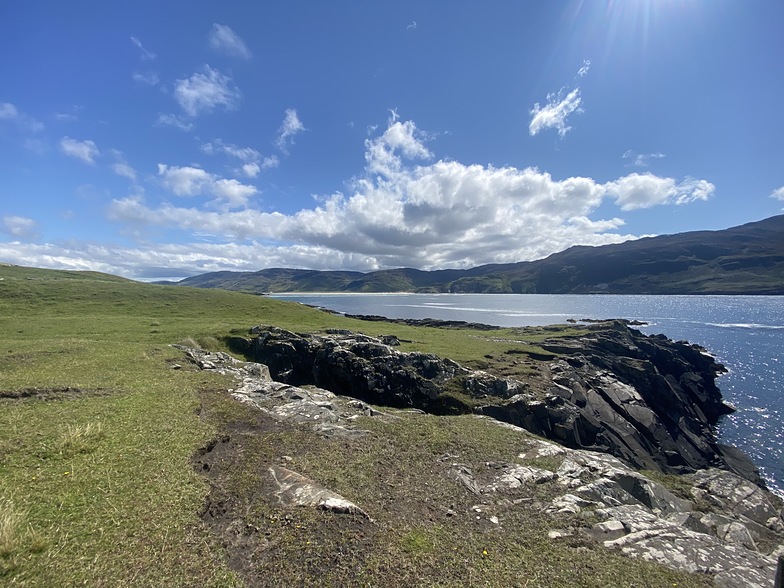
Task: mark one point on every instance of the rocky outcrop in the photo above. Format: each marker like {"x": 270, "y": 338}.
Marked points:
{"x": 645, "y": 399}
{"x": 713, "y": 522}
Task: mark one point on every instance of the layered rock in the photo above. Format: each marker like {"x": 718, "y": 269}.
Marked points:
{"x": 645, "y": 399}
{"x": 718, "y": 523}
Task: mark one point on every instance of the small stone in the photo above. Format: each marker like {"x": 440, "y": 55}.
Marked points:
{"x": 450, "y": 512}
{"x": 494, "y": 520}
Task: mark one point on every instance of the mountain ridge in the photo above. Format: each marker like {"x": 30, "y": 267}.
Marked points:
{"x": 746, "y": 259}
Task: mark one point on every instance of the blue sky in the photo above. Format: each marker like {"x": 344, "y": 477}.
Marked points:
{"x": 162, "y": 140}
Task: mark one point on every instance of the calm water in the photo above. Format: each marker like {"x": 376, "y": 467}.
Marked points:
{"x": 745, "y": 333}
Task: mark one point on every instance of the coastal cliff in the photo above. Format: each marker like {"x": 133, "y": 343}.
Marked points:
{"x": 646, "y": 399}
{"x": 629, "y": 462}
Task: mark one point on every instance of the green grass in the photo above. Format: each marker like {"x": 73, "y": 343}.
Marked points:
{"x": 97, "y": 434}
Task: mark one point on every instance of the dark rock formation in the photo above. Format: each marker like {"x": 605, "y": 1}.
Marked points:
{"x": 645, "y": 399}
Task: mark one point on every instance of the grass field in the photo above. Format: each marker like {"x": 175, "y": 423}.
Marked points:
{"x": 98, "y": 435}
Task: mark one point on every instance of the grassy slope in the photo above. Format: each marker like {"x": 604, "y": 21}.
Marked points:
{"x": 97, "y": 486}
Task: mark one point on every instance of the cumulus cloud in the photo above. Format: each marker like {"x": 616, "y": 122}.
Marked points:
{"x": 778, "y": 194}
{"x": 19, "y": 227}
{"x": 194, "y": 181}
{"x": 645, "y": 190}
{"x": 145, "y": 54}
{"x": 223, "y": 39}
{"x": 290, "y": 127}
{"x": 86, "y": 151}
{"x": 172, "y": 120}
{"x": 407, "y": 210}
{"x": 204, "y": 91}
{"x": 640, "y": 159}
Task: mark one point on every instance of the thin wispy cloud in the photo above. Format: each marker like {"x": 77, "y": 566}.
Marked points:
{"x": 146, "y": 55}
{"x": 19, "y": 227}
{"x": 558, "y": 108}
{"x": 8, "y": 111}
{"x": 290, "y": 127}
{"x": 172, "y": 120}
{"x": 411, "y": 26}
{"x": 224, "y": 40}
{"x": 253, "y": 162}
{"x": 204, "y": 91}
{"x": 640, "y": 159}
{"x": 85, "y": 151}
{"x": 778, "y": 194}
{"x": 148, "y": 78}
{"x": 555, "y": 113}
{"x": 121, "y": 166}
{"x": 24, "y": 121}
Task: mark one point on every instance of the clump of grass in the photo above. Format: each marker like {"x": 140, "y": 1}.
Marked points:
{"x": 16, "y": 537}
{"x": 205, "y": 343}
{"x": 78, "y": 439}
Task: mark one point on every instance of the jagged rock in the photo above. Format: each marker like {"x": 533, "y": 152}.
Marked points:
{"x": 666, "y": 542}
{"x": 731, "y": 493}
{"x": 517, "y": 476}
{"x": 293, "y": 489}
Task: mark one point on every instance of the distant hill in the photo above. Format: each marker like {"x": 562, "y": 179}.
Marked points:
{"x": 748, "y": 259}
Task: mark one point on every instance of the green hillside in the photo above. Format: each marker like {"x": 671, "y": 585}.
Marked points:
{"x": 101, "y": 423}
{"x": 748, "y": 259}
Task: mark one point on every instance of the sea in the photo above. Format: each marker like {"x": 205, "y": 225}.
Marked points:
{"x": 745, "y": 333}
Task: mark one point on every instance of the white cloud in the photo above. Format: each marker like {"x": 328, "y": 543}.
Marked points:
{"x": 203, "y": 92}
{"x": 554, "y": 114}
{"x": 235, "y": 193}
{"x": 8, "y": 110}
{"x": 253, "y": 162}
{"x": 404, "y": 209}
{"x": 411, "y": 26}
{"x": 19, "y": 227}
{"x": 778, "y": 194}
{"x": 641, "y": 159}
{"x": 25, "y": 122}
{"x": 185, "y": 181}
{"x": 172, "y": 120}
{"x": 225, "y": 40}
{"x": 194, "y": 181}
{"x": 145, "y": 54}
{"x": 431, "y": 215}
{"x": 124, "y": 170}
{"x": 148, "y": 78}
{"x": 290, "y": 127}
{"x": 645, "y": 190}
{"x": 87, "y": 151}
{"x": 175, "y": 260}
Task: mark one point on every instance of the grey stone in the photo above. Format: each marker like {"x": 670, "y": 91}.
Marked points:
{"x": 293, "y": 489}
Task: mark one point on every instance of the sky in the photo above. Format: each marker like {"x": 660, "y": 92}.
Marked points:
{"x": 163, "y": 140}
